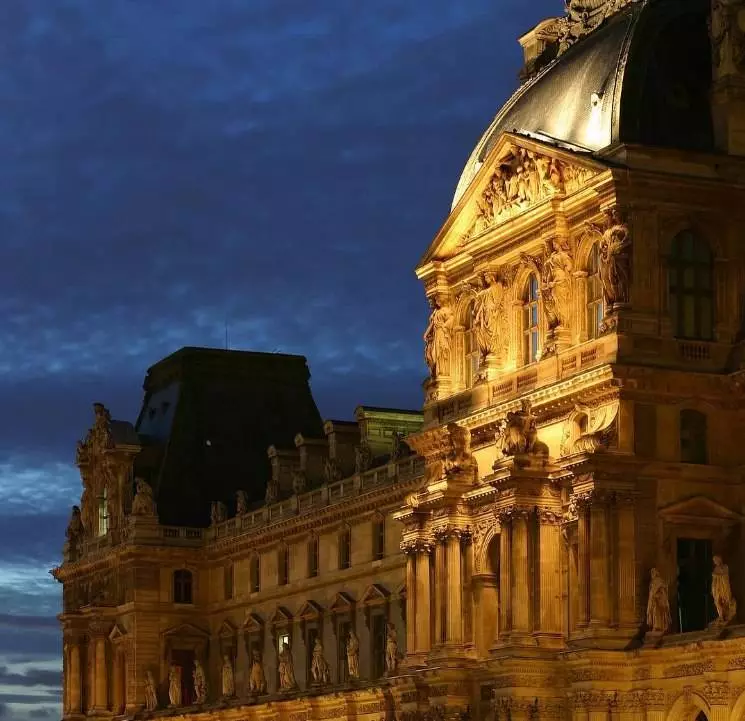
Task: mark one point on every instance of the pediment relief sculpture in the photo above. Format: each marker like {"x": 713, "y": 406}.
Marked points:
{"x": 523, "y": 178}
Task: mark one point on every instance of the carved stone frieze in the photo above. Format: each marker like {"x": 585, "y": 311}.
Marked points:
{"x": 689, "y": 669}
{"x": 522, "y": 179}
{"x": 717, "y": 693}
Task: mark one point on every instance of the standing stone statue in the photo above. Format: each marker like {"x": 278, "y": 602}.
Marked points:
{"x": 437, "y": 338}
{"x": 391, "y": 651}
{"x": 241, "y": 503}
{"x": 615, "y": 261}
{"x": 228, "y": 678}
{"x": 200, "y": 683}
{"x": 174, "y": 685}
{"x": 286, "y": 669}
{"x": 319, "y": 668}
{"x": 256, "y": 679}
{"x": 353, "y": 655}
{"x": 722, "y": 592}
{"x": 658, "y": 604}
{"x": 151, "y": 692}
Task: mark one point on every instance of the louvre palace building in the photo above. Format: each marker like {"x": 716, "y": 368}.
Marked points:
{"x": 558, "y": 532}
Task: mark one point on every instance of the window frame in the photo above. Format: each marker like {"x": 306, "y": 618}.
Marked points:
{"x": 345, "y": 549}
{"x": 691, "y": 254}
{"x": 182, "y": 587}
{"x": 254, "y": 574}
{"x": 283, "y": 565}
{"x": 378, "y": 539}
{"x": 693, "y": 437}
{"x": 531, "y": 321}
{"x": 314, "y": 557}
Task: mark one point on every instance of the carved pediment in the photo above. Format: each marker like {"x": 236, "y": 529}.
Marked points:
{"x": 226, "y": 630}
{"x": 118, "y": 634}
{"x": 281, "y": 617}
{"x": 186, "y": 630}
{"x": 253, "y": 623}
{"x": 310, "y": 610}
{"x": 375, "y": 595}
{"x": 342, "y": 603}
{"x": 699, "y": 510}
{"x": 518, "y": 174}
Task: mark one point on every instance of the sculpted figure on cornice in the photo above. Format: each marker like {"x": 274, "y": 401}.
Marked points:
{"x": 319, "y": 667}
{"x": 518, "y": 435}
{"x": 272, "y": 491}
{"x": 331, "y": 470}
{"x": 219, "y": 512}
{"x": 522, "y": 179}
{"x": 727, "y": 36}
{"x": 658, "y": 604}
{"x": 362, "y": 457}
{"x": 144, "y": 503}
{"x": 256, "y": 678}
{"x": 460, "y": 461}
{"x": 241, "y": 503}
{"x": 438, "y": 337}
{"x": 615, "y": 258}
{"x": 721, "y": 591}
{"x": 490, "y": 313}
{"x": 74, "y": 530}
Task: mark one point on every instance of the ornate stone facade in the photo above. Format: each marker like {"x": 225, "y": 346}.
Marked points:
{"x": 558, "y": 535}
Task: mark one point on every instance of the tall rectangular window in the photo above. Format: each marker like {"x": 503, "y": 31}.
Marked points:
{"x": 313, "y": 557}
{"x": 342, "y": 635}
{"x": 103, "y": 513}
{"x": 695, "y": 604}
{"x": 255, "y": 574}
{"x": 283, "y": 566}
{"x": 345, "y": 549}
{"x": 378, "y": 536}
{"x": 379, "y": 639}
{"x": 228, "y": 572}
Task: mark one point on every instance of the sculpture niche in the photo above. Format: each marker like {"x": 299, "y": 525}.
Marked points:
{"x": 518, "y": 437}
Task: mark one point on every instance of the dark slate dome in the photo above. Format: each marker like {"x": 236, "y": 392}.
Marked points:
{"x": 642, "y": 77}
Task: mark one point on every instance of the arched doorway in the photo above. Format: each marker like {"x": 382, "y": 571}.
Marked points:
{"x": 486, "y": 599}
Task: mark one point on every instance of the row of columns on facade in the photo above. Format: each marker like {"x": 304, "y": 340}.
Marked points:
{"x": 532, "y": 543}
{"x": 91, "y": 651}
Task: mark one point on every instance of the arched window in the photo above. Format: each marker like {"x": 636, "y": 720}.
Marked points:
{"x": 531, "y": 334}
{"x": 595, "y": 309}
{"x": 690, "y": 287}
{"x": 693, "y": 441}
{"x": 182, "y": 586}
{"x": 471, "y": 347}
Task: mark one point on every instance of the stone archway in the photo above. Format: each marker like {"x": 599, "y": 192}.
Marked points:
{"x": 486, "y": 598}
{"x": 690, "y": 706}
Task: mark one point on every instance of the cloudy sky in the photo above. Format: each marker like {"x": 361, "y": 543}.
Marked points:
{"x": 170, "y": 165}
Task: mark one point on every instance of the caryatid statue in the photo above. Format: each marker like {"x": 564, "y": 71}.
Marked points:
{"x": 200, "y": 682}
{"x": 721, "y": 590}
{"x": 286, "y": 669}
{"x": 151, "y": 692}
{"x": 319, "y": 668}
{"x": 391, "y": 651}
{"x": 438, "y": 338}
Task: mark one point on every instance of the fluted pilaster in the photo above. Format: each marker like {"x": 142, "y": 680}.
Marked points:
{"x": 521, "y": 596}
{"x": 599, "y": 562}
{"x": 454, "y": 589}
{"x": 550, "y": 572}
{"x": 505, "y": 577}
{"x": 583, "y": 565}
{"x": 440, "y": 591}
{"x": 627, "y": 562}
{"x": 423, "y": 602}
{"x": 410, "y": 602}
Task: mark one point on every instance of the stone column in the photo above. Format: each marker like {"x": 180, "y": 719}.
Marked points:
{"x": 410, "y": 602}
{"x": 423, "y": 601}
{"x": 521, "y": 574}
{"x": 505, "y": 577}
{"x": 439, "y": 591}
{"x": 550, "y": 570}
{"x": 627, "y": 563}
{"x": 599, "y": 553}
{"x": 74, "y": 685}
{"x": 100, "y": 681}
{"x": 583, "y": 565}
{"x": 454, "y": 590}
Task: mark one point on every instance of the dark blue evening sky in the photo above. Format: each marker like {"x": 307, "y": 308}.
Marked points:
{"x": 170, "y": 165}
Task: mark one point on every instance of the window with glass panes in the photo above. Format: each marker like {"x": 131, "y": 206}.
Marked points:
{"x": 379, "y": 639}
{"x": 228, "y": 578}
{"x": 531, "y": 330}
{"x": 345, "y": 549}
{"x": 595, "y": 309}
{"x": 283, "y": 566}
{"x": 690, "y": 287}
{"x": 472, "y": 356}
{"x": 378, "y": 539}
{"x": 182, "y": 586}
{"x": 313, "y": 558}
{"x": 255, "y": 574}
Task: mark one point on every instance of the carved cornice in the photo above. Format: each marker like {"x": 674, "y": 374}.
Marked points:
{"x": 416, "y": 546}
